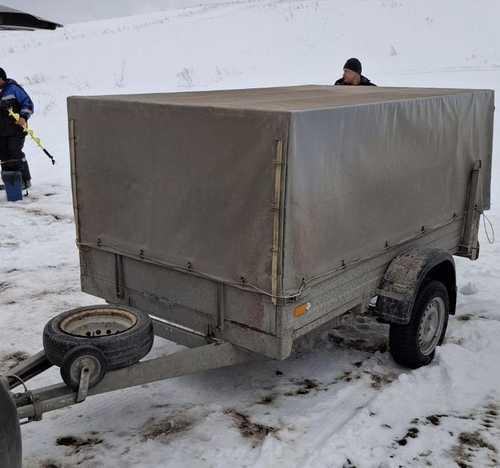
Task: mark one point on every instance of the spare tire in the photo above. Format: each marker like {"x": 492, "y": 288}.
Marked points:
{"x": 124, "y": 335}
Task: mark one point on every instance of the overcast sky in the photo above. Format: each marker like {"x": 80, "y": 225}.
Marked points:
{"x": 75, "y": 11}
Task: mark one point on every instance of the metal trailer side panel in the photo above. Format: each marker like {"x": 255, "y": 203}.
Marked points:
{"x": 354, "y": 286}
{"x": 241, "y": 317}
{"x": 187, "y": 300}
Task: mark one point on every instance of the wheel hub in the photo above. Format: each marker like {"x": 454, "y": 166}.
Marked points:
{"x": 431, "y": 325}
{"x": 87, "y": 361}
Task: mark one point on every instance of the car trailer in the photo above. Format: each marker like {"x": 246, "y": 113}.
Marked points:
{"x": 234, "y": 222}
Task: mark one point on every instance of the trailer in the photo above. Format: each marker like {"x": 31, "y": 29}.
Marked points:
{"x": 234, "y": 222}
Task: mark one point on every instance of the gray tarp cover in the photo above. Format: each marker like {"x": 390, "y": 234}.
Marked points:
{"x": 189, "y": 177}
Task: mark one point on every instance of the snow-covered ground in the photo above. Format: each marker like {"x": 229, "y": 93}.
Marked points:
{"x": 340, "y": 400}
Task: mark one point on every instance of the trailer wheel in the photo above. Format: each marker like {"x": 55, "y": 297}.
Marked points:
{"x": 122, "y": 335}
{"x": 414, "y": 345}
{"x": 78, "y": 358}
{"x": 10, "y": 431}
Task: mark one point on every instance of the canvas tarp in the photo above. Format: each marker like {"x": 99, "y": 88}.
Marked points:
{"x": 188, "y": 179}
{"x": 364, "y": 177}
{"x": 184, "y": 186}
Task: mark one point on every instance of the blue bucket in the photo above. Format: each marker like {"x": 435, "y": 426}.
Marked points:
{"x": 13, "y": 185}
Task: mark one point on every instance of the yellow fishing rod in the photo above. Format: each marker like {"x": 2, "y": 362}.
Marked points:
{"x": 31, "y": 133}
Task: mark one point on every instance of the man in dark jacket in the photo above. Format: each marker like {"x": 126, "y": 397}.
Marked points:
{"x": 12, "y": 135}
{"x": 352, "y": 75}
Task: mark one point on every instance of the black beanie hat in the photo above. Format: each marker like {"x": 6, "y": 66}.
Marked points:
{"x": 3, "y": 75}
{"x": 353, "y": 64}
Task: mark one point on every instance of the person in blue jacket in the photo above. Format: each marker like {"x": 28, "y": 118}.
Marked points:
{"x": 12, "y": 135}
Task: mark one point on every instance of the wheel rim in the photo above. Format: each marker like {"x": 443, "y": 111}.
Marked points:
{"x": 431, "y": 325}
{"x": 98, "y": 322}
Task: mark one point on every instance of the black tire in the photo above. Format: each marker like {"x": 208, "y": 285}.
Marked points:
{"x": 405, "y": 346}
{"x": 119, "y": 350}
{"x": 76, "y": 359}
{"x": 10, "y": 432}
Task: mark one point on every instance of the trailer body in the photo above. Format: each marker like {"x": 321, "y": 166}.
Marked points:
{"x": 255, "y": 216}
